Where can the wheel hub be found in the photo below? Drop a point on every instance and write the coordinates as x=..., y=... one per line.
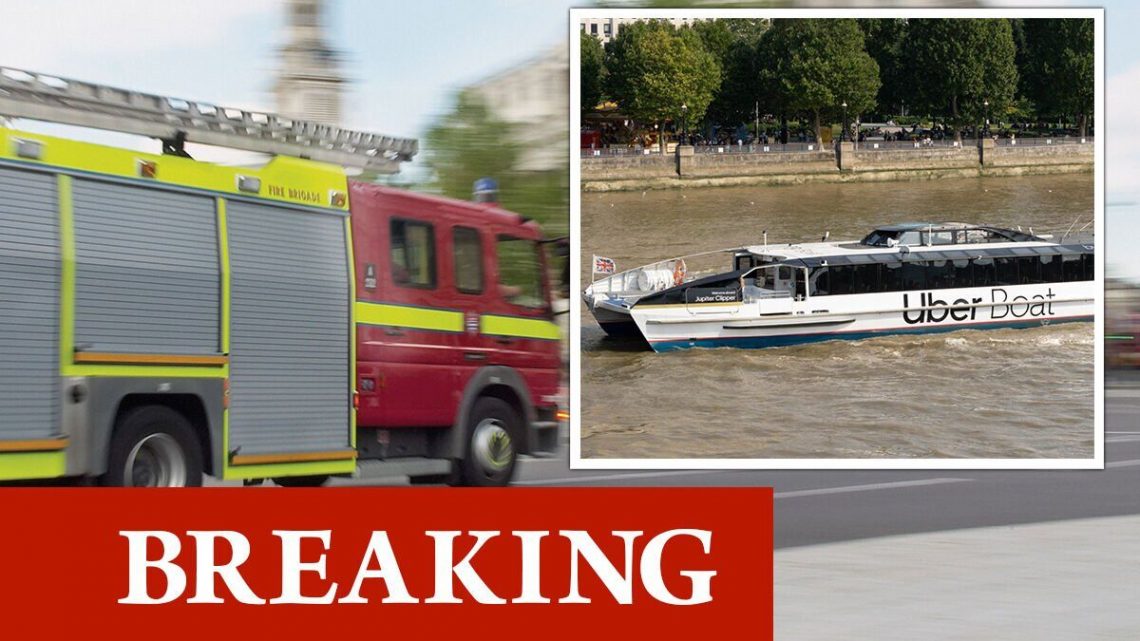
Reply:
x=155, y=461
x=492, y=446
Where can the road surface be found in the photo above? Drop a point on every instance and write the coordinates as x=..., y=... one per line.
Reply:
x=826, y=506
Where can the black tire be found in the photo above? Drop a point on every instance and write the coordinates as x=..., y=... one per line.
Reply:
x=302, y=481
x=489, y=460
x=153, y=446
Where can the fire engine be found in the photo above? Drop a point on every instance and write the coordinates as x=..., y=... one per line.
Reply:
x=163, y=318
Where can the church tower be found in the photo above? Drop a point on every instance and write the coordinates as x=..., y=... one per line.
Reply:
x=309, y=84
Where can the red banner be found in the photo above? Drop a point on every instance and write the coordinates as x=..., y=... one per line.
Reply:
x=550, y=563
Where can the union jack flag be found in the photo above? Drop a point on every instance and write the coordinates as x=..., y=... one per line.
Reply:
x=603, y=265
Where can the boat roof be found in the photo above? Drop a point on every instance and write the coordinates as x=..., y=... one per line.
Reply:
x=928, y=225
x=1010, y=250
x=1024, y=243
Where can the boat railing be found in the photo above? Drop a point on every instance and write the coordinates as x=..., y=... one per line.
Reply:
x=658, y=276
x=646, y=279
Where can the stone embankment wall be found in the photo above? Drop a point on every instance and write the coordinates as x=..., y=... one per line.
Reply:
x=844, y=163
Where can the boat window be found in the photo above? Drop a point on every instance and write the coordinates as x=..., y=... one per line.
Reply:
x=879, y=238
x=939, y=274
x=963, y=273
x=745, y=262
x=1028, y=270
x=946, y=274
x=913, y=275
x=762, y=278
x=520, y=271
x=910, y=238
x=984, y=275
x=413, y=253
x=468, y=259
x=890, y=277
x=941, y=237
x=841, y=276
x=785, y=272
x=1072, y=267
x=975, y=236
x=866, y=279
x=1005, y=271
x=820, y=281
x=1050, y=269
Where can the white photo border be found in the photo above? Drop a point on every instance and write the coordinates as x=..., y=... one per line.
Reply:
x=577, y=462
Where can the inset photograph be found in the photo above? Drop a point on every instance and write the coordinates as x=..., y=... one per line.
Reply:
x=807, y=240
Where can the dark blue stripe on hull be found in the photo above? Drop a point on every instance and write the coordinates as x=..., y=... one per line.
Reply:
x=758, y=342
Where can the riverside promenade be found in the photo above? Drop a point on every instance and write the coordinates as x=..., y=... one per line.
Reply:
x=687, y=166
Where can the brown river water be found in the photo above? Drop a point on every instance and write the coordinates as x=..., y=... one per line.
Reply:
x=974, y=394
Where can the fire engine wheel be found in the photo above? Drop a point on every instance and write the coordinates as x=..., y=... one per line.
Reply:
x=492, y=438
x=153, y=446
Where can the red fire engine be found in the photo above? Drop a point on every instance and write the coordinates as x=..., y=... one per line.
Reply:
x=167, y=318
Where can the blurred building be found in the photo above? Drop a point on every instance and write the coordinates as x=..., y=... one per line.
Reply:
x=533, y=96
x=606, y=29
x=309, y=82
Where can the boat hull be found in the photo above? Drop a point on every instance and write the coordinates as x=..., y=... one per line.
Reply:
x=787, y=340
x=673, y=327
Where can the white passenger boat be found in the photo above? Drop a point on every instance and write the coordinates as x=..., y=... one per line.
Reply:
x=901, y=279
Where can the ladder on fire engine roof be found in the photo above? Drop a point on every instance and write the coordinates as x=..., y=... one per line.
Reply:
x=25, y=94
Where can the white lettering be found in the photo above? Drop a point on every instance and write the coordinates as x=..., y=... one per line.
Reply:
x=445, y=569
x=292, y=567
x=138, y=564
x=531, y=567
x=380, y=548
x=582, y=545
x=207, y=568
x=651, y=569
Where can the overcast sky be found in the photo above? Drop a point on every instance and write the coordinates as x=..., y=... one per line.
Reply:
x=407, y=58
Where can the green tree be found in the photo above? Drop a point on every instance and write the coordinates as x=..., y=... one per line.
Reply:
x=1060, y=67
x=592, y=71
x=813, y=66
x=884, y=39
x=654, y=69
x=716, y=36
x=1021, y=54
x=467, y=144
x=956, y=65
x=733, y=41
x=471, y=143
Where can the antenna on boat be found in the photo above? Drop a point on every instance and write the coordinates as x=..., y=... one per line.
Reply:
x=1066, y=234
x=765, y=240
x=826, y=235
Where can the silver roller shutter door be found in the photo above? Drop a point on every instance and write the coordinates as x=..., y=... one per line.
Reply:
x=29, y=305
x=289, y=336
x=147, y=273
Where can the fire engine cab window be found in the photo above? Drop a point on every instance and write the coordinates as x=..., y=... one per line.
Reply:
x=520, y=272
x=413, y=254
x=468, y=260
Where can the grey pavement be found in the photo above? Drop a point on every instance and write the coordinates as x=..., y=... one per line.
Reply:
x=1058, y=581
